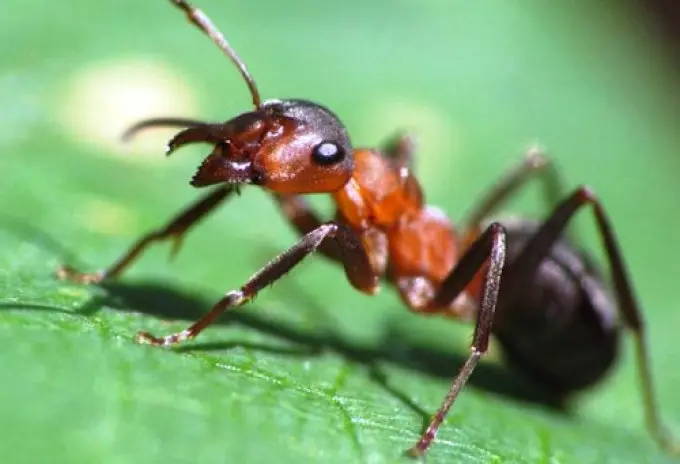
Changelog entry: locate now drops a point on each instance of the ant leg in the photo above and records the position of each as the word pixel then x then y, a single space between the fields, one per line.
pixel 304 220
pixel 490 246
pixel 357 269
pixel 301 216
pixel 400 149
pixel 535 162
pixel 175 229
pixel 522 271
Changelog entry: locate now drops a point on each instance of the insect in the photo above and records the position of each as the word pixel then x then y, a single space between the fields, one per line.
pixel 545 302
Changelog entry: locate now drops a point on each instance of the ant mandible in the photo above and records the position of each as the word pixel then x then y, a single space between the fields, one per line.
pixel 546 303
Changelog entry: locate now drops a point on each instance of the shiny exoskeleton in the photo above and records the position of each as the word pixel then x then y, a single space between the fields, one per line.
pixel 562 331
pixel 543 300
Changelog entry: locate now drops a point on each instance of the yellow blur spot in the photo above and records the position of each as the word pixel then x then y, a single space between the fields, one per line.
pixel 434 133
pixel 105 217
pixel 104 99
pixel 72 292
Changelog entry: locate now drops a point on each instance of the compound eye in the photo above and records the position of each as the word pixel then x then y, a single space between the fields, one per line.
pixel 327 153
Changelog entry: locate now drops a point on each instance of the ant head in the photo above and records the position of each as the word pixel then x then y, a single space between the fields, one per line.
pixel 291 146
pixel 287 146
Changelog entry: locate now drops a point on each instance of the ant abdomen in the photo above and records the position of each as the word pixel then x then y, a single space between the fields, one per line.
pixel 560 331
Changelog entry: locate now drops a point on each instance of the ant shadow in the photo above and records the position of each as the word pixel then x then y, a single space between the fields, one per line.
pixel 393 348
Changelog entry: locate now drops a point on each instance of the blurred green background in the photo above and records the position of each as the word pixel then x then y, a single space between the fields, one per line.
pixel 312 371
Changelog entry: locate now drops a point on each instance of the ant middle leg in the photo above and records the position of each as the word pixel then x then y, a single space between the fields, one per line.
pixel 487 252
pixel 535 162
pixel 523 269
pixel 354 258
pixel 175 229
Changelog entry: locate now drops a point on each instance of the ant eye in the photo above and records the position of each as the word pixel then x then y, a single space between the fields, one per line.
pixel 327 153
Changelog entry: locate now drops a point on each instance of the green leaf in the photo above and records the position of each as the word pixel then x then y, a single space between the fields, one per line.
pixel 311 371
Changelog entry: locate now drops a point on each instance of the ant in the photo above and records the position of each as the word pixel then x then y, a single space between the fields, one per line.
pixel 544 300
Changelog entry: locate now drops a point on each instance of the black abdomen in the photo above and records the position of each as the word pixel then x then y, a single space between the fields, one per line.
pixel 561 331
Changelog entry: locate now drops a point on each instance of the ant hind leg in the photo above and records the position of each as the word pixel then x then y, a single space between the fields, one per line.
pixel 522 270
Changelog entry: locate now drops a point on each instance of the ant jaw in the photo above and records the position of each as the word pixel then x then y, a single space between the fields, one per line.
pixel 217 169
pixel 208 133
pixel 235 145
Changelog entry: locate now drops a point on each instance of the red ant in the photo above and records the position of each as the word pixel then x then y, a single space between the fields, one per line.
pixel 546 303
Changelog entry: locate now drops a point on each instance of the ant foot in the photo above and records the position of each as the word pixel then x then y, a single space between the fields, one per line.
pixel 145 338
pixel 669 443
pixel 414 453
pixel 69 273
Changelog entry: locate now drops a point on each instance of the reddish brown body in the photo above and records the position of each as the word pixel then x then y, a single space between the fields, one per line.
pixel 384 229
pixel 413 243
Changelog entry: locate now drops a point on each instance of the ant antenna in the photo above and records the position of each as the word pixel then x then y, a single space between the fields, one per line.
pixel 200 20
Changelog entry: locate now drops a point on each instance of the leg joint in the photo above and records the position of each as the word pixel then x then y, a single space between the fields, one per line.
pixel 586 194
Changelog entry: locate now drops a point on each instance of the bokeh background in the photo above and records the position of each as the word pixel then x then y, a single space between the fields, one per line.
pixel 313 371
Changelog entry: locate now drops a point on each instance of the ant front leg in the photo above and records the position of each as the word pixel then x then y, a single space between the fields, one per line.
pixel 304 219
pixel 354 258
pixel 523 269
pixel 489 247
pixel 175 229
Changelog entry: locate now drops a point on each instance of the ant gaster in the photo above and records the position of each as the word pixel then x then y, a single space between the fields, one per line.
pixel 547 305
